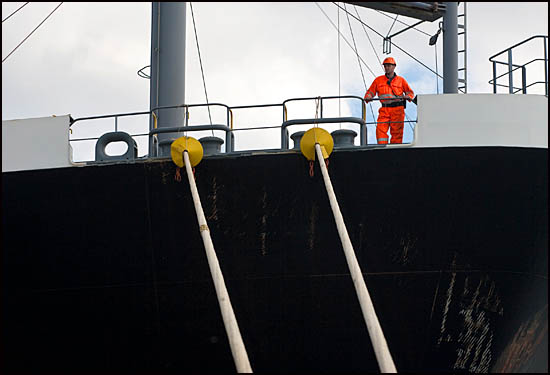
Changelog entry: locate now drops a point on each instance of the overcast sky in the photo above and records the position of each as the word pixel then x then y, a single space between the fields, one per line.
pixel 83 60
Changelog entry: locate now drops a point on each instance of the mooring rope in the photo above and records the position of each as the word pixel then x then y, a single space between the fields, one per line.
pixel 238 350
pixel 381 350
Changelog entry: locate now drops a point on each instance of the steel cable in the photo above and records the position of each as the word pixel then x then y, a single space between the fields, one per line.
pixel 17 10
pixel 200 62
pixel 401 49
pixel 343 37
pixel 420 31
pixel 368 37
pixel 44 20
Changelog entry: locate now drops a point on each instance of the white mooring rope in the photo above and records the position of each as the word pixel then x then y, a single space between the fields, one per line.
pixel 381 350
pixel 236 343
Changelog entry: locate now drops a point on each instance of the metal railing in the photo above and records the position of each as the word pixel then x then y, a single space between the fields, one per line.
pixel 322 120
pixel 228 126
pixel 115 117
pixel 513 67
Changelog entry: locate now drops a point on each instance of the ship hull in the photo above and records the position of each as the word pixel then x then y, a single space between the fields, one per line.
pixel 104 268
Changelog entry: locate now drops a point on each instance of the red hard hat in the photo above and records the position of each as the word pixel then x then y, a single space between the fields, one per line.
pixel 389 60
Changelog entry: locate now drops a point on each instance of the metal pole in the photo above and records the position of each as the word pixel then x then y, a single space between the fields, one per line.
pixel 494 77
pixel 545 64
pixel 450 49
pixel 510 74
pixel 229 146
pixel 153 82
pixel 523 80
pixel 465 51
pixel 168 67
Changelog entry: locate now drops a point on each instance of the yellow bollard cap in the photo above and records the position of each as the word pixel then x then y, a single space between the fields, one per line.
pixel 189 144
pixel 316 135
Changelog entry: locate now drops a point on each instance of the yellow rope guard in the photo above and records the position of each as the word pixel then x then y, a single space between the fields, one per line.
pixel 313 136
pixel 189 144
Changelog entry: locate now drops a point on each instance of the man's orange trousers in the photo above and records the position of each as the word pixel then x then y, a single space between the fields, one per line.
pixel 392 118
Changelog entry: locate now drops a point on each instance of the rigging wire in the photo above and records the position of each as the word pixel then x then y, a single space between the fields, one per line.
pixel 343 37
pixel 420 31
pixel 393 44
pixel 357 53
pixel 436 79
pixel 200 62
pixel 339 93
pixel 17 10
pixel 358 56
pixel 391 27
pixel 44 20
pixel 368 37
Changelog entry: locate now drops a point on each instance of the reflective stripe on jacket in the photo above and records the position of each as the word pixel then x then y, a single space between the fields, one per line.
pixel 399 89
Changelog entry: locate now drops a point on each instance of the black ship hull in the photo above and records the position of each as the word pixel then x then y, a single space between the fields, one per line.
pixel 103 267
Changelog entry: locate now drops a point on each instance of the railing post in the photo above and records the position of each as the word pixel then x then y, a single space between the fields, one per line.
pixel 228 145
pixel 523 80
pixel 545 65
pixel 228 142
pixel 494 77
pixel 510 74
pixel 116 123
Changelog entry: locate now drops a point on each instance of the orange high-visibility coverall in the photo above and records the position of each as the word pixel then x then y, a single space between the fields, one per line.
pixel 392 113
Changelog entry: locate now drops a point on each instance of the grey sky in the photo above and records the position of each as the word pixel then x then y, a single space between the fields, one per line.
pixel 83 60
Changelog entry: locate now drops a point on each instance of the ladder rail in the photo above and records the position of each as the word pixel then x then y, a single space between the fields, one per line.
pixel 464 36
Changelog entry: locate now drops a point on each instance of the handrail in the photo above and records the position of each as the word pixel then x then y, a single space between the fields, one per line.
pixel 178 129
pixel 517 45
pixel 513 70
pixel 229 120
pixel 174 129
pixel 332 120
pixel 228 127
pixel 72 121
pixel 513 67
pixel 364 107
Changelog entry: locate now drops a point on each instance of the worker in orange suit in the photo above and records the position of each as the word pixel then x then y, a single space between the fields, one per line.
pixel 392 90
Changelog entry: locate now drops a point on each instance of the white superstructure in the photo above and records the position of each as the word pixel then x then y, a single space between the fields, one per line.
pixel 465 120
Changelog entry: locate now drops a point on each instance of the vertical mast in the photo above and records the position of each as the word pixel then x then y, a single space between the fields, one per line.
pixel 167 84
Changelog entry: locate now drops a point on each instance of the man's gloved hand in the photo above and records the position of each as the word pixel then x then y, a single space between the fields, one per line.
pixel 414 100
pixel 367 100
